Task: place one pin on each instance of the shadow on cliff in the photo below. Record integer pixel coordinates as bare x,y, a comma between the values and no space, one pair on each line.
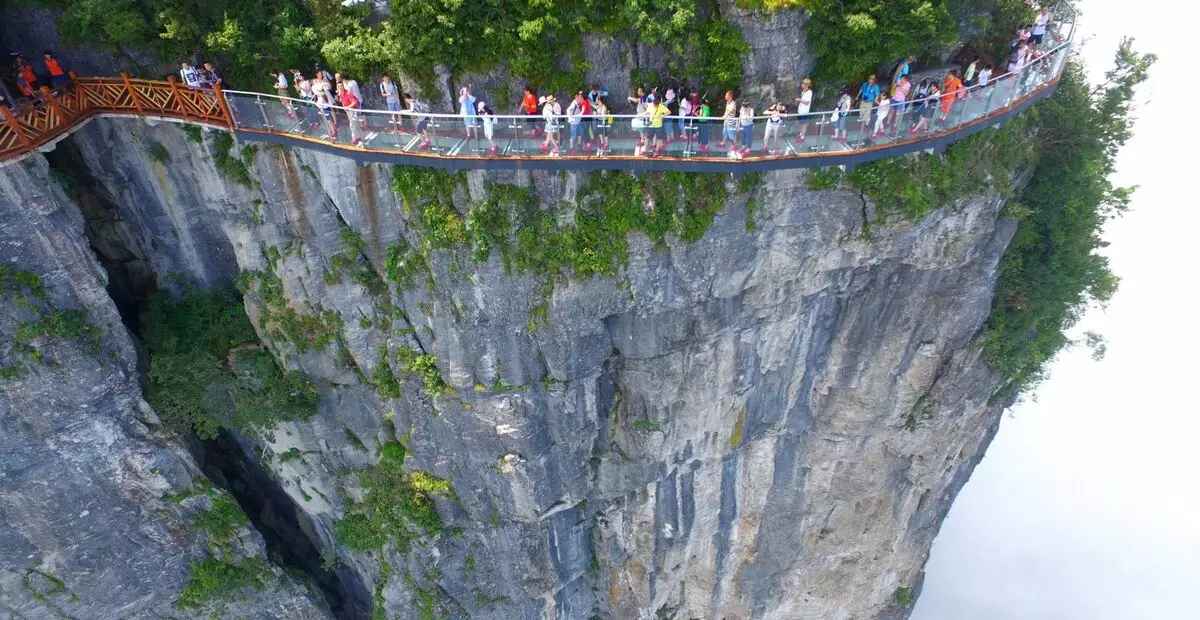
228,460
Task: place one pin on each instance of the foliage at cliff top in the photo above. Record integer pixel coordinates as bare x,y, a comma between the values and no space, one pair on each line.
538,40
850,38
207,369
1052,272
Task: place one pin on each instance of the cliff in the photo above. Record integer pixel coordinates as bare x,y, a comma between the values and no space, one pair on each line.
769,421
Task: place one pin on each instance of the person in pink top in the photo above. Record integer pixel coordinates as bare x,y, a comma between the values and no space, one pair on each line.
899,98
348,101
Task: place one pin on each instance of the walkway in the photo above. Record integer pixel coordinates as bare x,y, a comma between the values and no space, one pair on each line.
390,138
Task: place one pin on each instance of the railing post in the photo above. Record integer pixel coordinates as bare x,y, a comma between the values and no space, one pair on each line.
132,93
178,97
52,101
15,125
224,106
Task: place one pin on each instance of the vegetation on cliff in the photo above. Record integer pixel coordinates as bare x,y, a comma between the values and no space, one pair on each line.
208,370
1052,272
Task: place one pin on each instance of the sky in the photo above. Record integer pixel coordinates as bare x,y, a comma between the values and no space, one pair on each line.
1086,505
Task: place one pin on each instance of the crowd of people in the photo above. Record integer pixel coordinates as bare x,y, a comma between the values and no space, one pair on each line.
333,101
24,75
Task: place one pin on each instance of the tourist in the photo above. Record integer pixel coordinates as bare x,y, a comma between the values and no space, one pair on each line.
529,105
747,121
281,89
729,125
588,135
1040,23
351,104
882,107
550,112
322,98
950,91
684,120
703,116
803,106
596,94
575,122
391,96
969,74
466,108
868,92
54,68
604,121
352,86
189,74
985,75
928,109
658,132
639,99
774,126
488,116
421,110
320,72
210,77
840,113
902,69
898,101
305,91
672,112
1023,35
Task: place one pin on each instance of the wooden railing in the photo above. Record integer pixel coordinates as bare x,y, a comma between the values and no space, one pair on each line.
57,112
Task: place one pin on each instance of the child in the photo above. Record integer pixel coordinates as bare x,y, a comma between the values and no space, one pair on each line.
604,121
803,105
747,119
839,116
883,106
985,75
704,113
774,126
489,124
421,110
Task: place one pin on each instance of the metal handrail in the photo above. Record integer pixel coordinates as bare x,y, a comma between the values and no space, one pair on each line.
1027,69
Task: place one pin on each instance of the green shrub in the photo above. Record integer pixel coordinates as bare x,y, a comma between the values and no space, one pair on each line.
213,581
232,167
207,370
292,454
397,505
223,519
1051,272
62,324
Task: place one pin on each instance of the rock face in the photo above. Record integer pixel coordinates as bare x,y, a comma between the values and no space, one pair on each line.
85,528
758,424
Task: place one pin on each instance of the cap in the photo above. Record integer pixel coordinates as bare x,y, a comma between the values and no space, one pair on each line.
541,100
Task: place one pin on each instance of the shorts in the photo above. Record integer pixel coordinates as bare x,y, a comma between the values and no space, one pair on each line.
393,106
1037,38
576,130
422,124
773,129
864,110
659,132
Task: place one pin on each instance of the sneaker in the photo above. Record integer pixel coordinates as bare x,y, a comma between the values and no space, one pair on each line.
703,148
745,151
545,147
799,139
912,131
765,150
493,150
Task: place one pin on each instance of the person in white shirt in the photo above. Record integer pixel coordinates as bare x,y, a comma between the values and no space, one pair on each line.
803,105
985,75
774,126
488,116
550,112
883,105
575,121
190,75
747,120
1040,23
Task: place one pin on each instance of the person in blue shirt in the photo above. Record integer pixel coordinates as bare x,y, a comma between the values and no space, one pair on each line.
902,69
867,94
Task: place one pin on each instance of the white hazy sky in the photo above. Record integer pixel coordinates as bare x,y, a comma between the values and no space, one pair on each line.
1087,505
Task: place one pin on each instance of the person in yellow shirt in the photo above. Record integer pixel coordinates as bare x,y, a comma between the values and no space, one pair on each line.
658,112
